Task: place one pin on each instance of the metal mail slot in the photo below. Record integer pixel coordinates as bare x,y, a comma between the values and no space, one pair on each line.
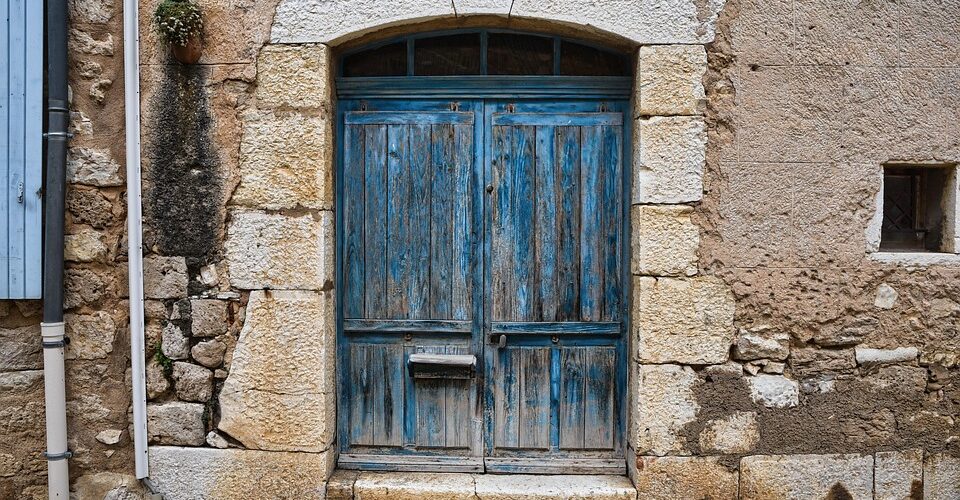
427,365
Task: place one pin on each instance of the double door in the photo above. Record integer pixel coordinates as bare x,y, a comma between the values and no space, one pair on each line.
481,250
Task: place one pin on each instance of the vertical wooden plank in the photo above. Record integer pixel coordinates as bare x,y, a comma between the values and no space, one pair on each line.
361,402
535,398
441,222
387,390
611,225
524,215
353,230
599,420
457,422
431,428
375,222
5,115
421,178
502,230
590,219
546,223
568,235
572,398
507,398
33,175
16,232
398,230
463,239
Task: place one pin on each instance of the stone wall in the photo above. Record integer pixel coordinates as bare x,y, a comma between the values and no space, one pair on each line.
838,376
770,355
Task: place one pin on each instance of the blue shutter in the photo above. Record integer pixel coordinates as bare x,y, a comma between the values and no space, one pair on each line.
21,147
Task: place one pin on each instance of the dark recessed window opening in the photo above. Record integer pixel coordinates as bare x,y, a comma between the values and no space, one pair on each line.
512,54
913,208
447,55
485,52
578,59
387,60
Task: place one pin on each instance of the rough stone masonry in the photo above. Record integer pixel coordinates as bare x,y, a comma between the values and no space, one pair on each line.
772,356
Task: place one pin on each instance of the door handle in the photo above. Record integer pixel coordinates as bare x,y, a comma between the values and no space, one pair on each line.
499,340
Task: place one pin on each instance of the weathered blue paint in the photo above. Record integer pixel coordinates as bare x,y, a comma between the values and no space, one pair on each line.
21,148
561,356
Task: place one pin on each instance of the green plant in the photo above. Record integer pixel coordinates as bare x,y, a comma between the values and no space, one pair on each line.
163,360
178,21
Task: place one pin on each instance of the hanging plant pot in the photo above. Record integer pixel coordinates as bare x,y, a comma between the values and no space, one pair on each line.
180,23
189,53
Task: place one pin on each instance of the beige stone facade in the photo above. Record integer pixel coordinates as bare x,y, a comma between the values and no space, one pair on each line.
771,354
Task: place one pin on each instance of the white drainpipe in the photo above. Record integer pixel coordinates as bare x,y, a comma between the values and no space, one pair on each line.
131,87
55,406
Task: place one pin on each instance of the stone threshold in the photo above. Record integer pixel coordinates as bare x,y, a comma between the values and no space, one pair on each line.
356,485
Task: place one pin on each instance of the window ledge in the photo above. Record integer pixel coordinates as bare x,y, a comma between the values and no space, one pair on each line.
916,258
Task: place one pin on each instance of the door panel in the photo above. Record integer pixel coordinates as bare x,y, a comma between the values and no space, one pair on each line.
409,258
492,233
555,343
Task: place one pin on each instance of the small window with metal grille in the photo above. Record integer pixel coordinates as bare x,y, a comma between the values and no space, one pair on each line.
918,207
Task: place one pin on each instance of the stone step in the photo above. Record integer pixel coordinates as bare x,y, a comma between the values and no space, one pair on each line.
352,485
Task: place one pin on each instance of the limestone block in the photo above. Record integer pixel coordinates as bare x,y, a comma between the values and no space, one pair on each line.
664,404
812,361
93,167
286,161
208,317
886,297
670,80
543,487
21,348
209,353
761,343
294,75
870,357
91,336
173,343
737,433
81,286
88,206
643,22
192,382
84,246
669,159
413,486
665,240
279,251
941,477
322,21
157,382
806,477
774,391
668,478
108,486
92,11
269,400
898,474
683,321
109,436
176,423
501,7
215,474
164,277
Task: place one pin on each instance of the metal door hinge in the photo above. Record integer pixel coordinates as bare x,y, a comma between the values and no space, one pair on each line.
20,193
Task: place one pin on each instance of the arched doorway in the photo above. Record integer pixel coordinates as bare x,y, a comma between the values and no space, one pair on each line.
482,250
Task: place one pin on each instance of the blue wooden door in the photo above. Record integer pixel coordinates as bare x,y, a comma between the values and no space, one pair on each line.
482,288
409,256
555,357
21,136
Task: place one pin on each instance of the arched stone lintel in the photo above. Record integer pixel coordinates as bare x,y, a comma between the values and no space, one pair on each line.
642,22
